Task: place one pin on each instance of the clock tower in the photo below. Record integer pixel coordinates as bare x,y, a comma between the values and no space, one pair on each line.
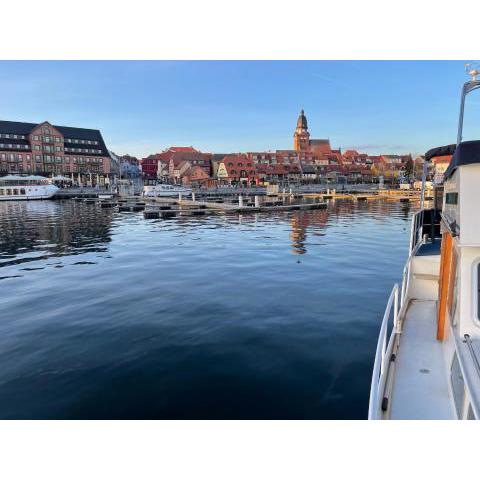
301,137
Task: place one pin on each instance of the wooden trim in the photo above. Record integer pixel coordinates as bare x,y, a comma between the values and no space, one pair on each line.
445,266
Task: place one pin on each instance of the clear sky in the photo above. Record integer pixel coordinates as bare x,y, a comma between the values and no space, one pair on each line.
143,107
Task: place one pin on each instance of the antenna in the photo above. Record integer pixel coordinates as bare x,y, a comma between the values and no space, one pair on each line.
473,69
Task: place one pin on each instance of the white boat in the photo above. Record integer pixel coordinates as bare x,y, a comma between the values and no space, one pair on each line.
427,363
26,187
165,190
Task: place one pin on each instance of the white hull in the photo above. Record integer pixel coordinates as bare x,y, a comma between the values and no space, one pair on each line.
165,191
27,192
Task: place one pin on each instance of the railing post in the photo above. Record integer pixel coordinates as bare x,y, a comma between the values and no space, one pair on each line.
395,311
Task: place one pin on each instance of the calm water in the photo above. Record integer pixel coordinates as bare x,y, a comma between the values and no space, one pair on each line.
108,315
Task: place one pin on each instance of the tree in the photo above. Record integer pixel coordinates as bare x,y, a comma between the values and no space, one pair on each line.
409,168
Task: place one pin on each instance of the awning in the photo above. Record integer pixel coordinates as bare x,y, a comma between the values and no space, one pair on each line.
440,151
466,153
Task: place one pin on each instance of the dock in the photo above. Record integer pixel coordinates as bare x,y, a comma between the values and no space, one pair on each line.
203,203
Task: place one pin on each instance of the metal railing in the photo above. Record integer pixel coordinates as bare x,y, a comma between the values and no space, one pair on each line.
416,232
383,354
380,368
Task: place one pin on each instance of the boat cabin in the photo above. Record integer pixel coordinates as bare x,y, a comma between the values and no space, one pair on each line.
427,363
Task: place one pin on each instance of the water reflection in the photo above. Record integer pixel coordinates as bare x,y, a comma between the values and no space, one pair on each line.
51,229
109,315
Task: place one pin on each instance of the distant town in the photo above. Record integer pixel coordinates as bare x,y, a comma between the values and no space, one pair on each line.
81,155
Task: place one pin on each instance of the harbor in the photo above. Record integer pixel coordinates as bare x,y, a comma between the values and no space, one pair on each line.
237,301
206,203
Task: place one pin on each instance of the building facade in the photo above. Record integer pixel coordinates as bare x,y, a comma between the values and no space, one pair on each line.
237,169
46,149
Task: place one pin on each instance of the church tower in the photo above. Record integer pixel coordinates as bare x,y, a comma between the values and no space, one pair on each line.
301,137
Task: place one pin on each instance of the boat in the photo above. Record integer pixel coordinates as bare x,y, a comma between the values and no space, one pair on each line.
427,361
26,187
165,190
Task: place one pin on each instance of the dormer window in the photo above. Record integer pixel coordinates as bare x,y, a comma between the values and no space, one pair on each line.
46,130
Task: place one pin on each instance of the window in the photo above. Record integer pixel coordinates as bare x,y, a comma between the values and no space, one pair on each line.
46,130
22,191
451,198
58,148
58,139
36,147
38,158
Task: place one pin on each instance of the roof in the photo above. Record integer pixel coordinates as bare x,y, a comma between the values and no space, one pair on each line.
302,121
25,128
465,153
440,151
183,149
320,141
24,177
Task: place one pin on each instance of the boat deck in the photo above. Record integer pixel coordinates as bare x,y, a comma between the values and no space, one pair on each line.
420,388
430,248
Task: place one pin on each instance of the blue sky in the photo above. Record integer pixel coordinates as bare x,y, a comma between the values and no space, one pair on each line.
142,107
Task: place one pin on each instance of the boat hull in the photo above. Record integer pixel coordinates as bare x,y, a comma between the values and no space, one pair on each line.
163,192
27,192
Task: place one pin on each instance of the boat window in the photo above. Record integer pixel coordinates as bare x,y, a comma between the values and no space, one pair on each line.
458,386
9,192
451,198
1,191
22,191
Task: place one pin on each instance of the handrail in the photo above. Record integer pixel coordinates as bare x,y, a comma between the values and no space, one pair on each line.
380,364
472,353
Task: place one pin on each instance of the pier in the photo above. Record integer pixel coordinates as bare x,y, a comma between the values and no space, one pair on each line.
224,202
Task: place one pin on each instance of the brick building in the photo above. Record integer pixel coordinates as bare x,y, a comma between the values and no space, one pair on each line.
46,149
302,141
164,165
237,169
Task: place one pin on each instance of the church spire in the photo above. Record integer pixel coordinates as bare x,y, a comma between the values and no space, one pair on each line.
302,121
301,136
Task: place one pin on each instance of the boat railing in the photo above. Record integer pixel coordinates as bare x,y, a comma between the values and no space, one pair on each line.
383,354
416,233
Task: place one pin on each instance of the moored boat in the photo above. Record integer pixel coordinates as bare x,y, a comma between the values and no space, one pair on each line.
165,190
427,363
26,187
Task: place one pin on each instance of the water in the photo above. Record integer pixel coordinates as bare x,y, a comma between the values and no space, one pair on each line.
258,316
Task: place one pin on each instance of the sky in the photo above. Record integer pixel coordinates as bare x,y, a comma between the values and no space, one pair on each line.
143,107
